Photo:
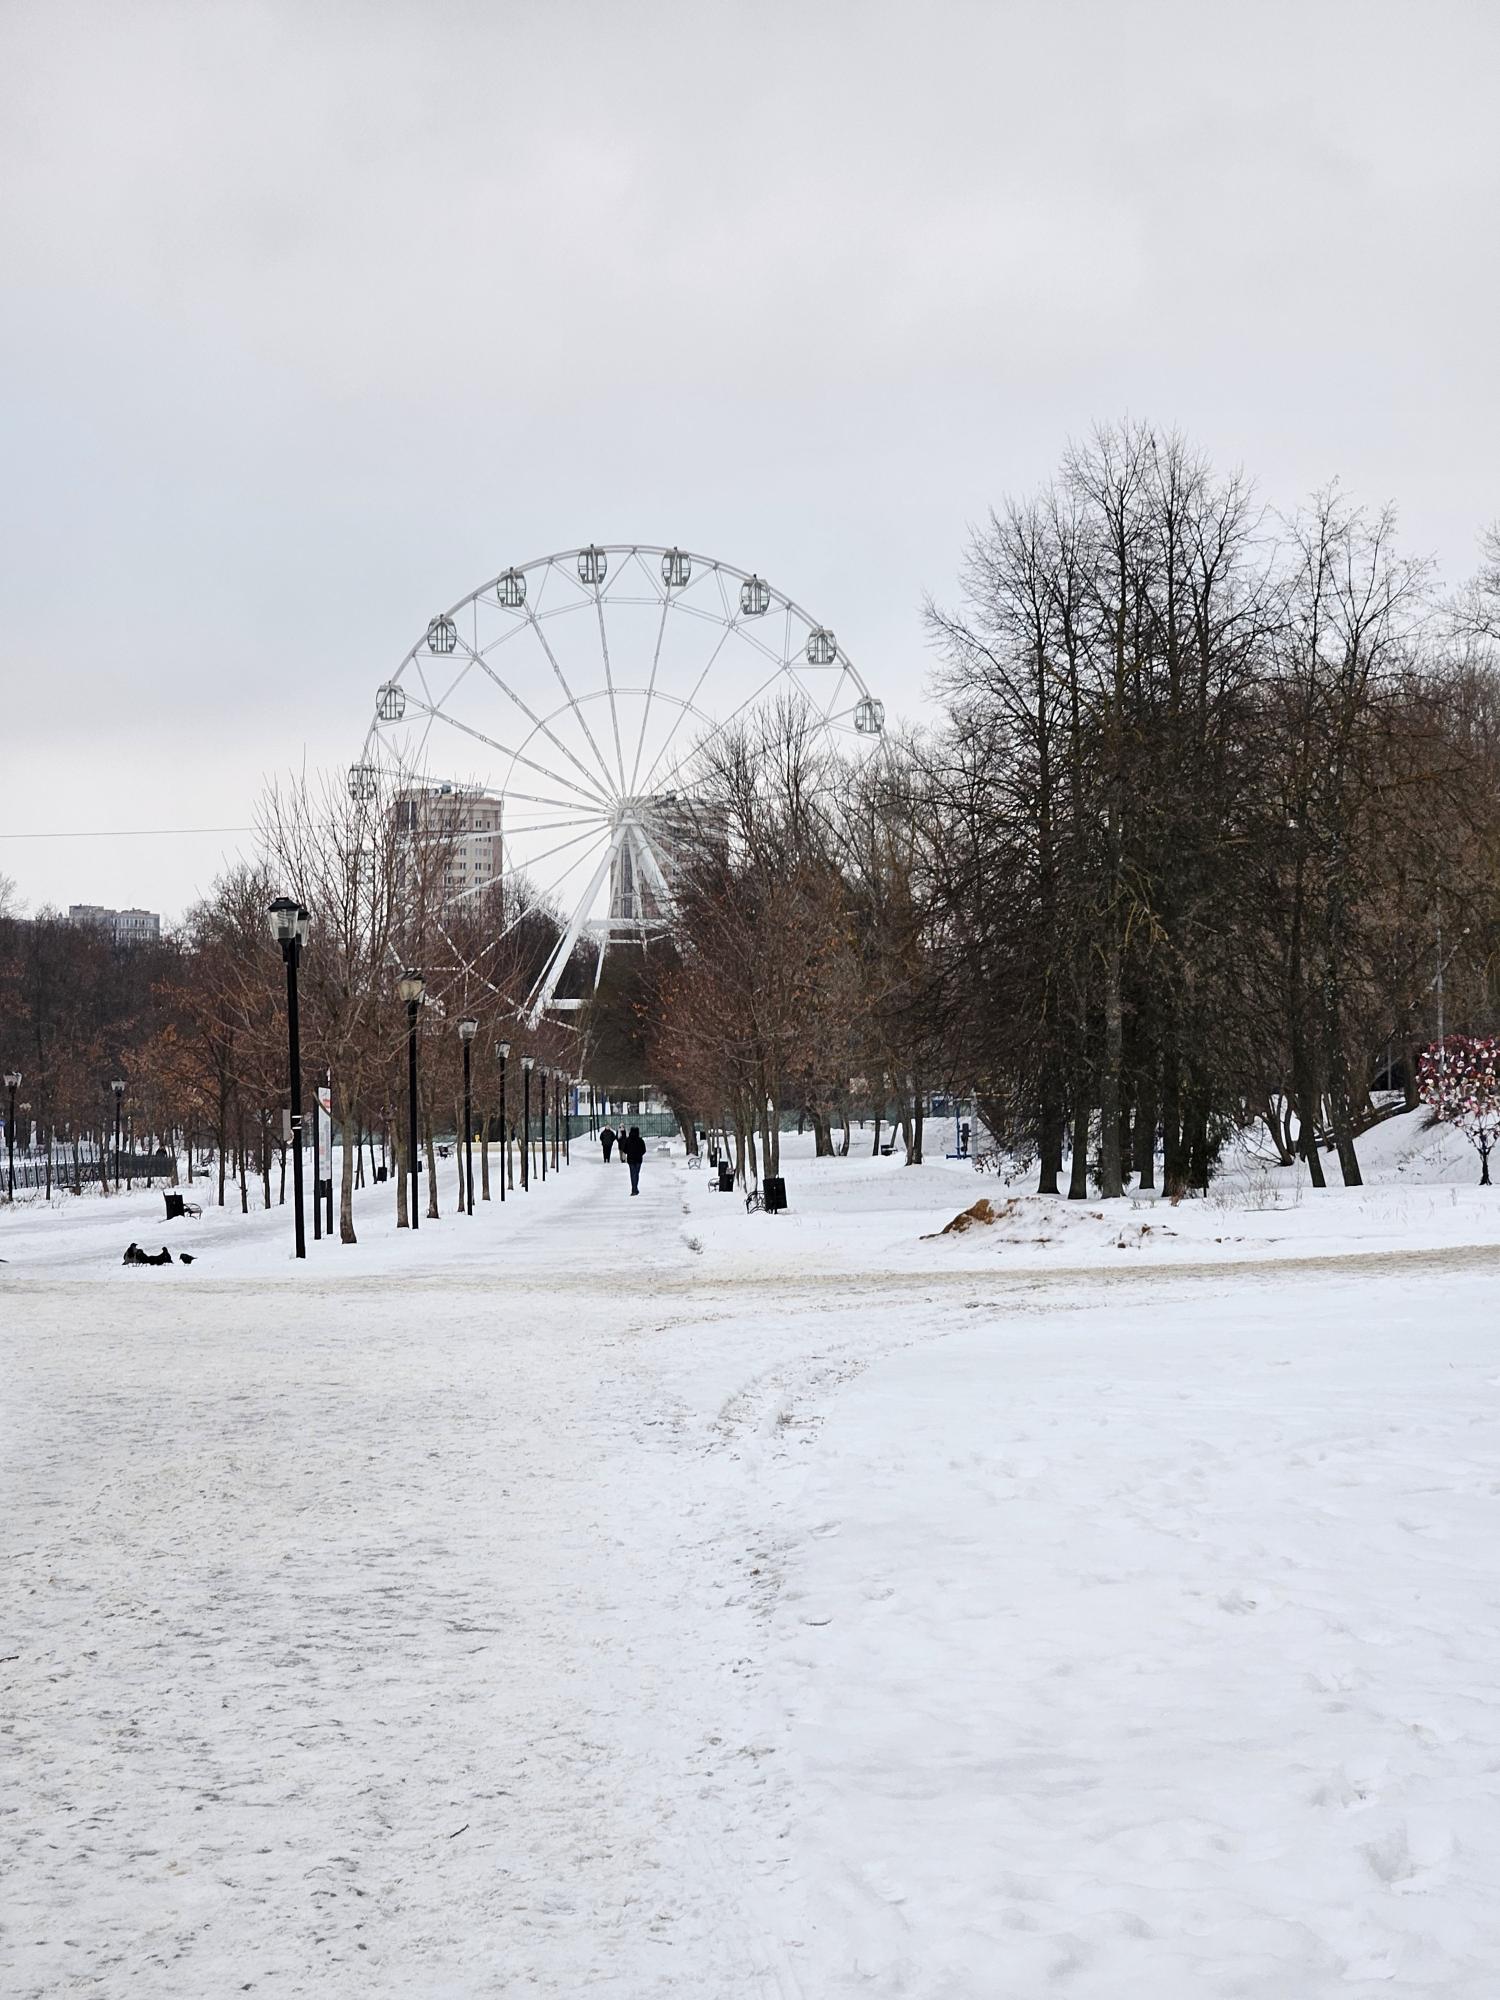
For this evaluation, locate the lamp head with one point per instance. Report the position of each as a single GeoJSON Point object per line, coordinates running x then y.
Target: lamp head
{"type": "Point", "coordinates": [118, 1086]}
{"type": "Point", "coordinates": [304, 924]}
{"type": "Point", "coordinates": [528, 1063]}
{"type": "Point", "coordinates": [467, 1029]}
{"type": "Point", "coordinates": [13, 1079]}
{"type": "Point", "coordinates": [283, 915]}
{"type": "Point", "coordinates": [502, 1049]}
{"type": "Point", "coordinates": [411, 986]}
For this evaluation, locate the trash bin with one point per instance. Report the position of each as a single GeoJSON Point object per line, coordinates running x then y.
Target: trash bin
{"type": "Point", "coordinates": [726, 1177]}
{"type": "Point", "coordinates": [174, 1206]}
{"type": "Point", "coordinates": [773, 1193]}
{"type": "Point", "coordinates": [380, 1173]}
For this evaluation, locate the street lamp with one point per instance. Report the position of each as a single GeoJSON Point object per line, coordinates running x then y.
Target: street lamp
{"type": "Point", "coordinates": [544, 1122]}
{"type": "Point", "coordinates": [526, 1062]}
{"type": "Point", "coordinates": [467, 1030]}
{"type": "Point", "coordinates": [502, 1049]}
{"type": "Point", "coordinates": [290, 924]}
{"type": "Point", "coordinates": [410, 987]}
{"type": "Point", "coordinates": [118, 1087]}
{"type": "Point", "coordinates": [12, 1084]}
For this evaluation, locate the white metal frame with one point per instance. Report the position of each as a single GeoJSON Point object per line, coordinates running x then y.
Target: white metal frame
{"type": "Point", "coordinates": [582, 785]}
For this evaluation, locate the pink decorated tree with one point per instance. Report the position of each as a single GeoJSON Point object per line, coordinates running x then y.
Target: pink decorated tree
{"type": "Point", "coordinates": [1460, 1079]}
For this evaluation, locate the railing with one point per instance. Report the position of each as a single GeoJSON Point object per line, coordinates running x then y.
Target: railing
{"type": "Point", "coordinates": [31, 1170]}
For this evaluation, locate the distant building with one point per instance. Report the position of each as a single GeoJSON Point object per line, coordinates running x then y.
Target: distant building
{"type": "Point", "coordinates": [123, 927]}
{"type": "Point", "coordinates": [468, 823]}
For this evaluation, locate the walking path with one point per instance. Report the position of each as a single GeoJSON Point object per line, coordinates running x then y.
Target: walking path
{"type": "Point", "coordinates": [379, 1642]}
{"type": "Point", "coordinates": [589, 1596]}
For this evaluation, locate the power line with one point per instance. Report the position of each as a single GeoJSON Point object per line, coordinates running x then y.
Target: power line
{"type": "Point", "coordinates": [125, 832]}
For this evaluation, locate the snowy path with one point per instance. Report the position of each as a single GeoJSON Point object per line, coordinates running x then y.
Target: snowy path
{"type": "Point", "coordinates": [543, 1605]}
{"type": "Point", "coordinates": [311, 1584]}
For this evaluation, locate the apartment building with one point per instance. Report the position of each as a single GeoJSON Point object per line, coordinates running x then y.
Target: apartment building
{"type": "Point", "coordinates": [470, 825]}
{"type": "Point", "coordinates": [123, 927]}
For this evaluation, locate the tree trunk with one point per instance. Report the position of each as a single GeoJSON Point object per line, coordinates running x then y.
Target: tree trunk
{"type": "Point", "coordinates": [1111, 1186]}
{"type": "Point", "coordinates": [1078, 1167]}
{"type": "Point", "coordinates": [1144, 1152]}
{"type": "Point", "coordinates": [348, 1157]}
{"type": "Point", "coordinates": [1051, 1125]}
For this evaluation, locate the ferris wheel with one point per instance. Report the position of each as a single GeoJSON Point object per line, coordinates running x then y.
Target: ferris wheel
{"type": "Point", "coordinates": [567, 704]}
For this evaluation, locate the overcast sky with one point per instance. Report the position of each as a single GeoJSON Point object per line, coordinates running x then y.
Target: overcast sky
{"type": "Point", "coordinates": [316, 316]}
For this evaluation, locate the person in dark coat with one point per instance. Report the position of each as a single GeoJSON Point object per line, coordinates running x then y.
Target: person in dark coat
{"type": "Point", "coordinates": [633, 1146]}
{"type": "Point", "coordinates": [607, 1141]}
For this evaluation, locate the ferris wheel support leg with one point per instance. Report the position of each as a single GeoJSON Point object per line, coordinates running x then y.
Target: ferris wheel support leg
{"type": "Point", "coordinates": [651, 867]}
{"type": "Point", "coordinates": [546, 987]}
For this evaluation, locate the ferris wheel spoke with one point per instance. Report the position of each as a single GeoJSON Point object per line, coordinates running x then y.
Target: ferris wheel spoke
{"type": "Point", "coordinates": [687, 707]}
{"type": "Point", "coordinates": [640, 741]}
{"type": "Point", "coordinates": [557, 825]}
{"type": "Point", "coordinates": [718, 728]}
{"type": "Point", "coordinates": [537, 723]}
{"type": "Point", "coordinates": [573, 701]}
{"type": "Point", "coordinates": [562, 847]}
{"type": "Point", "coordinates": [593, 797]}
{"type": "Point", "coordinates": [609, 682]}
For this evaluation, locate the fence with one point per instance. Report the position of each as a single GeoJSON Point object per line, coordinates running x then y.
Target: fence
{"type": "Point", "coordinates": [31, 1170]}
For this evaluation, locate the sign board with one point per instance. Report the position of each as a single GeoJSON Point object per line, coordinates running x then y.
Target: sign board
{"type": "Point", "coordinates": [325, 1133]}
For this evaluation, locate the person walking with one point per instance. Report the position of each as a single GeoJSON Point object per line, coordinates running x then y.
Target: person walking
{"type": "Point", "coordinates": [633, 1146]}
{"type": "Point", "coordinates": [607, 1141]}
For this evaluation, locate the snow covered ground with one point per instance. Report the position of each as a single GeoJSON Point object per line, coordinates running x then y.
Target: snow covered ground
{"type": "Point", "coordinates": [644, 1598]}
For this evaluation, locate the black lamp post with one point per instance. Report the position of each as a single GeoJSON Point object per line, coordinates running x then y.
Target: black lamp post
{"type": "Point", "coordinates": [502, 1049]}
{"type": "Point", "coordinates": [411, 986]}
{"type": "Point", "coordinates": [118, 1087]}
{"type": "Point", "coordinates": [526, 1125]}
{"type": "Point", "coordinates": [467, 1030]}
{"type": "Point", "coordinates": [290, 924]}
{"type": "Point", "coordinates": [12, 1084]}
{"type": "Point", "coordinates": [544, 1121]}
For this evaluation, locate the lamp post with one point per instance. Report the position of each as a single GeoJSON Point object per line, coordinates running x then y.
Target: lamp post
{"type": "Point", "coordinates": [526, 1062]}
{"type": "Point", "coordinates": [467, 1030]}
{"type": "Point", "coordinates": [411, 986]}
{"type": "Point", "coordinates": [290, 924]}
{"type": "Point", "coordinates": [12, 1084]}
{"type": "Point", "coordinates": [502, 1049]}
{"type": "Point", "coordinates": [118, 1087]}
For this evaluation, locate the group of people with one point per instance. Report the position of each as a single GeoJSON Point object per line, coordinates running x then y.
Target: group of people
{"type": "Point", "coordinates": [632, 1151]}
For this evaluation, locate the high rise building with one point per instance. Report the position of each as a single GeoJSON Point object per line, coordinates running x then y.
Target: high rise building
{"type": "Point", "coordinates": [468, 823]}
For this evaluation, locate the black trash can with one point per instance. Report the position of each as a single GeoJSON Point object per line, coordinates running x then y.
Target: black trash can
{"type": "Point", "coordinates": [773, 1193]}
{"type": "Point", "coordinates": [726, 1177]}
{"type": "Point", "coordinates": [174, 1206]}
